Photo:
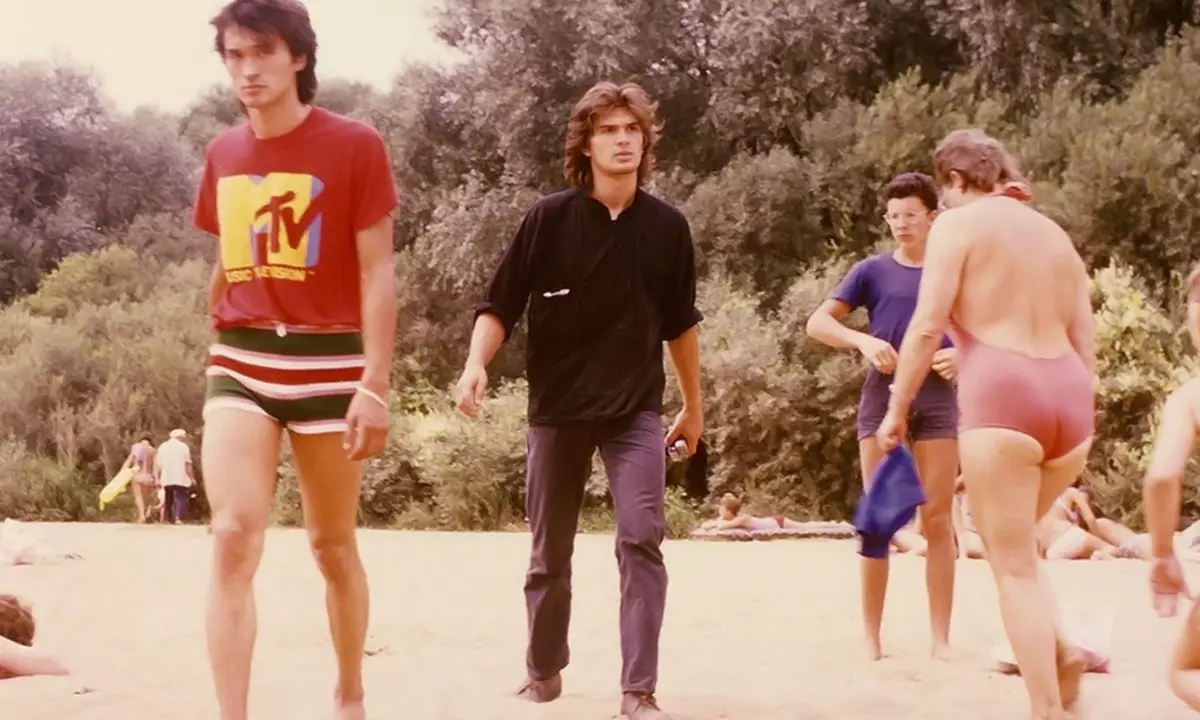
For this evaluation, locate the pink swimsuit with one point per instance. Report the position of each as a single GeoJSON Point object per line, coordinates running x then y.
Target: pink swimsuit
{"type": "Point", "coordinates": [1049, 399]}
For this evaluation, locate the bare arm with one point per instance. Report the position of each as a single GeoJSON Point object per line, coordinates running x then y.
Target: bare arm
{"type": "Point", "coordinates": [216, 285]}
{"type": "Point", "coordinates": [825, 325]}
{"type": "Point", "coordinates": [1081, 332]}
{"type": "Point", "coordinates": [1162, 497]}
{"type": "Point", "coordinates": [377, 269]}
{"type": "Point", "coordinates": [1162, 491]}
{"type": "Point", "coordinates": [685, 358]}
{"type": "Point", "coordinates": [945, 254]}
{"type": "Point", "coordinates": [21, 661]}
{"type": "Point", "coordinates": [1079, 500]}
{"type": "Point", "coordinates": [486, 339]}
{"type": "Point", "coordinates": [741, 522]}
{"type": "Point", "coordinates": [1193, 306]}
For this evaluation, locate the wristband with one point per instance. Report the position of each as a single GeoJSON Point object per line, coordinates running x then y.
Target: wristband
{"type": "Point", "coordinates": [373, 395]}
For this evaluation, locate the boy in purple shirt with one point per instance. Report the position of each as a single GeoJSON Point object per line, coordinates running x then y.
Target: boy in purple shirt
{"type": "Point", "coordinates": [886, 285]}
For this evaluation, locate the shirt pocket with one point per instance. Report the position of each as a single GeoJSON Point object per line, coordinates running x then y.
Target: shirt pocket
{"type": "Point", "coordinates": [554, 313]}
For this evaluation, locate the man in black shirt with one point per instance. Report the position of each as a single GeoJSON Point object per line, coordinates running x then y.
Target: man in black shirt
{"type": "Point", "coordinates": [608, 274]}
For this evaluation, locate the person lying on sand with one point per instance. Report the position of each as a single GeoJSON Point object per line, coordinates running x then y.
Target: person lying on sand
{"type": "Point", "coordinates": [731, 517]}
{"type": "Point", "coordinates": [910, 540]}
{"type": "Point", "coordinates": [1063, 536]}
{"type": "Point", "coordinates": [17, 656]}
{"type": "Point", "coordinates": [970, 544]}
{"type": "Point", "coordinates": [1132, 544]}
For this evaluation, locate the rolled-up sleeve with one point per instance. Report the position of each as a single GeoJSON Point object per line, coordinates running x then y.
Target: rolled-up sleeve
{"type": "Point", "coordinates": [507, 293]}
{"type": "Point", "coordinates": [681, 312]}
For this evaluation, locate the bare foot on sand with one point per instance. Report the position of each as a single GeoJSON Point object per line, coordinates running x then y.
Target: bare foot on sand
{"type": "Point", "coordinates": [945, 653]}
{"type": "Point", "coordinates": [874, 649]}
{"type": "Point", "coordinates": [1072, 664]}
{"type": "Point", "coordinates": [349, 711]}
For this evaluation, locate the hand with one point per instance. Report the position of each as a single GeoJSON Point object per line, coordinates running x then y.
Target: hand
{"type": "Point", "coordinates": [689, 425]}
{"type": "Point", "coordinates": [367, 426]}
{"type": "Point", "coordinates": [1166, 585]}
{"type": "Point", "coordinates": [471, 389]}
{"type": "Point", "coordinates": [945, 363]}
{"type": "Point", "coordinates": [892, 430]}
{"type": "Point", "coordinates": [880, 353]}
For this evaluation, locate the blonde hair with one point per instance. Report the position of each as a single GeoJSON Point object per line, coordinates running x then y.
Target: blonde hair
{"type": "Point", "coordinates": [979, 159]}
{"type": "Point", "coordinates": [601, 98]}
{"type": "Point", "coordinates": [731, 502]}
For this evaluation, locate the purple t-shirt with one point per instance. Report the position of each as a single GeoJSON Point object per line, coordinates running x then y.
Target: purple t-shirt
{"type": "Point", "coordinates": [888, 290]}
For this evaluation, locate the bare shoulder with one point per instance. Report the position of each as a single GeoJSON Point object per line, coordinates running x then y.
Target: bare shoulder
{"type": "Point", "coordinates": [956, 227]}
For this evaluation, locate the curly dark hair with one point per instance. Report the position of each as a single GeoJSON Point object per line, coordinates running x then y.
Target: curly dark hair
{"type": "Point", "coordinates": [16, 620]}
{"type": "Point", "coordinates": [602, 97]}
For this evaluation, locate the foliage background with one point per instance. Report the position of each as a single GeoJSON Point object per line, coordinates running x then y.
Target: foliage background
{"type": "Point", "coordinates": [782, 120]}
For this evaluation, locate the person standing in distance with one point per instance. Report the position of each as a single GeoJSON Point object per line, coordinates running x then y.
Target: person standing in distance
{"type": "Point", "coordinates": [607, 271]}
{"type": "Point", "coordinates": [886, 284]}
{"type": "Point", "coordinates": [303, 301]}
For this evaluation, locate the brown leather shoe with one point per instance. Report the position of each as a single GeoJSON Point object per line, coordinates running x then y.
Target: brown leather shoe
{"type": "Point", "coordinates": [541, 691]}
{"type": "Point", "coordinates": [641, 706]}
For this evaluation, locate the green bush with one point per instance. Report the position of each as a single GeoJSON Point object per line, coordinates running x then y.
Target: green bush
{"type": "Point", "coordinates": [1140, 359]}
{"type": "Point", "coordinates": [782, 196]}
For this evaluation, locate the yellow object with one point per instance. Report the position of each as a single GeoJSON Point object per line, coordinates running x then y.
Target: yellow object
{"type": "Point", "coordinates": [115, 487]}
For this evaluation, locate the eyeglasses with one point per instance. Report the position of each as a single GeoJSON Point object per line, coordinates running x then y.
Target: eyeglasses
{"type": "Point", "coordinates": [894, 218]}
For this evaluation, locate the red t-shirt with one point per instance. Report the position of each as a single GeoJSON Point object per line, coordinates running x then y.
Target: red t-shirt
{"type": "Point", "coordinates": [286, 211]}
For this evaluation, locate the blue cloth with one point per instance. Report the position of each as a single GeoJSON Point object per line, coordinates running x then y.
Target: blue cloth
{"type": "Point", "coordinates": [890, 504]}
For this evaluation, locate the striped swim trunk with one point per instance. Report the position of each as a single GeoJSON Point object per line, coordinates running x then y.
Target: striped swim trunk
{"type": "Point", "coordinates": [304, 381]}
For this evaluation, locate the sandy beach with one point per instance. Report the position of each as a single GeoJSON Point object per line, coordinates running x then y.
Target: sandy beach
{"type": "Point", "coordinates": [754, 631]}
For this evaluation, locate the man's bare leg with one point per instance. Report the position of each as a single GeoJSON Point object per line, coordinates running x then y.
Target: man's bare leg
{"type": "Point", "coordinates": [139, 500]}
{"type": "Point", "coordinates": [1009, 491]}
{"type": "Point", "coordinates": [329, 491]}
{"type": "Point", "coordinates": [874, 572]}
{"type": "Point", "coordinates": [1185, 662]}
{"type": "Point", "coordinates": [240, 453]}
{"type": "Point", "coordinates": [937, 464]}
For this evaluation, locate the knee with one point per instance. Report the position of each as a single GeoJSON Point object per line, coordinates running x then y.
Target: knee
{"type": "Point", "coordinates": [336, 556]}
{"type": "Point", "coordinates": [551, 560]}
{"type": "Point", "coordinates": [1014, 559]}
{"type": "Point", "coordinates": [643, 532]}
{"type": "Point", "coordinates": [936, 525]}
{"type": "Point", "coordinates": [237, 545]}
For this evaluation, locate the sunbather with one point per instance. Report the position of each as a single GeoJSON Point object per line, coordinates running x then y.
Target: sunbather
{"type": "Point", "coordinates": [731, 517]}
{"type": "Point", "coordinates": [17, 656]}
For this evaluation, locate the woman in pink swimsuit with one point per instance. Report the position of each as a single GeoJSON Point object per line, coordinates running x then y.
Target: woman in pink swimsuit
{"type": "Point", "coordinates": [141, 459]}
{"type": "Point", "coordinates": [1008, 285]}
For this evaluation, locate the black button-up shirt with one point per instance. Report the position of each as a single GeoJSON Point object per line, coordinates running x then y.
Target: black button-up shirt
{"type": "Point", "coordinates": [603, 295]}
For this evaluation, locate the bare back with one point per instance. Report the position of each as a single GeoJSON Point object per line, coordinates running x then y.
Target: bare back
{"type": "Point", "coordinates": [1021, 278]}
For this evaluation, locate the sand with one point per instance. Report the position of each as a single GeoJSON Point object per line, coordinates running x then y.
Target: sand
{"type": "Point", "coordinates": [754, 631]}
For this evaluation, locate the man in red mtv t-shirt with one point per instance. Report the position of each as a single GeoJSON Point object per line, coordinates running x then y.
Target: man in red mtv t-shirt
{"type": "Point", "coordinates": [303, 301]}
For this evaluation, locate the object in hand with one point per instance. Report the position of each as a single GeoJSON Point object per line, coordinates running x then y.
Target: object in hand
{"type": "Point", "coordinates": [679, 450]}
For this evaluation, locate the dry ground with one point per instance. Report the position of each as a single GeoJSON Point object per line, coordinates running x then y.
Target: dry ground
{"type": "Point", "coordinates": [754, 631]}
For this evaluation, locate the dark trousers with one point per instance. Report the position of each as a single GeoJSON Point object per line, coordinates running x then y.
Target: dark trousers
{"type": "Point", "coordinates": [558, 465]}
{"type": "Point", "coordinates": [175, 500]}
